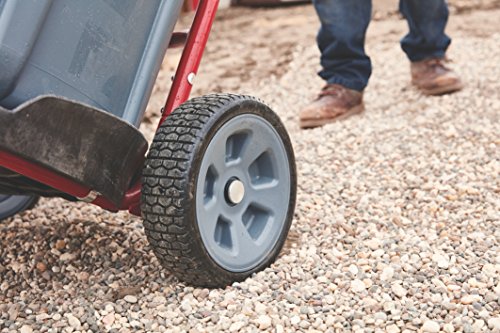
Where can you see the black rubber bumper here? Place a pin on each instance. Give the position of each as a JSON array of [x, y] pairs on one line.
[[87, 145]]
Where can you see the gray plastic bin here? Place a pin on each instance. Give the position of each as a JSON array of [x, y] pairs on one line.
[[105, 53]]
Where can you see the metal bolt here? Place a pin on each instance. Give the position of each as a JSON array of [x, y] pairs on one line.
[[235, 191], [191, 77]]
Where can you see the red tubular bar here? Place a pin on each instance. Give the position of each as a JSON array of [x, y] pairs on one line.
[[40, 174], [191, 56], [50, 178], [132, 200], [179, 93], [193, 4], [183, 80]]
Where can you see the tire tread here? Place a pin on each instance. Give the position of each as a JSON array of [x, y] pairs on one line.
[[166, 177]]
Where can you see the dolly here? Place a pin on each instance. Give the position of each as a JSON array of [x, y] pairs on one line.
[[217, 186]]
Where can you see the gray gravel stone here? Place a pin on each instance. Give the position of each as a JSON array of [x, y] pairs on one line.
[[73, 322], [130, 299], [26, 329], [430, 326], [494, 323]]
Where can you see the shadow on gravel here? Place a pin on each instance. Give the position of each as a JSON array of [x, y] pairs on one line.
[[292, 241], [77, 253]]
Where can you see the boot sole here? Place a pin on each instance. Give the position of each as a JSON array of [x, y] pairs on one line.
[[311, 123], [442, 90]]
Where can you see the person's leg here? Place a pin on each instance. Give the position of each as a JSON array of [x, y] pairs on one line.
[[427, 21], [346, 67], [341, 41], [426, 45]]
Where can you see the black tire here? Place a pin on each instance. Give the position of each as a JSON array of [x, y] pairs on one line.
[[11, 205], [170, 180]]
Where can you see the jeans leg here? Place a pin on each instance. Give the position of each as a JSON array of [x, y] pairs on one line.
[[427, 21], [341, 41]]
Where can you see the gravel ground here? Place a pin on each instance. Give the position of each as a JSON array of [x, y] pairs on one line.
[[397, 222]]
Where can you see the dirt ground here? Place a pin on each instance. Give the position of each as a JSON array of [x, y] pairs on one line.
[[248, 49]]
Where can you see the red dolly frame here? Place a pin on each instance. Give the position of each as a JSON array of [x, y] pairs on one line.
[[179, 93], [193, 4]]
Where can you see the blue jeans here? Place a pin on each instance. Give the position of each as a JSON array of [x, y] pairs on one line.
[[341, 38]]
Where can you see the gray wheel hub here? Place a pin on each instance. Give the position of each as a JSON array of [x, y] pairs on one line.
[[243, 193], [235, 191]]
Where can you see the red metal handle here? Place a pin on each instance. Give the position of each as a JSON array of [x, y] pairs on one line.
[[193, 4], [184, 77], [191, 56]]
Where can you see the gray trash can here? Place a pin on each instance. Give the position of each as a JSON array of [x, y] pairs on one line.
[[97, 52]]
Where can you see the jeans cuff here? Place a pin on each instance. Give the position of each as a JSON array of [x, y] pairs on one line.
[[422, 56], [354, 85]]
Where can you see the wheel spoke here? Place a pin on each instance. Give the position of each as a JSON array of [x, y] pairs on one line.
[[243, 192], [245, 243], [211, 210], [218, 158], [210, 216], [268, 195], [258, 146], [236, 144]]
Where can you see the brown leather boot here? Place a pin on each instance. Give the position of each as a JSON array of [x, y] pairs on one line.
[[432, 77], [335, 102]]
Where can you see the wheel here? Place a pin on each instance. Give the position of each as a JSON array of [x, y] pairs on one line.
[[13, 204], [219, 188]]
